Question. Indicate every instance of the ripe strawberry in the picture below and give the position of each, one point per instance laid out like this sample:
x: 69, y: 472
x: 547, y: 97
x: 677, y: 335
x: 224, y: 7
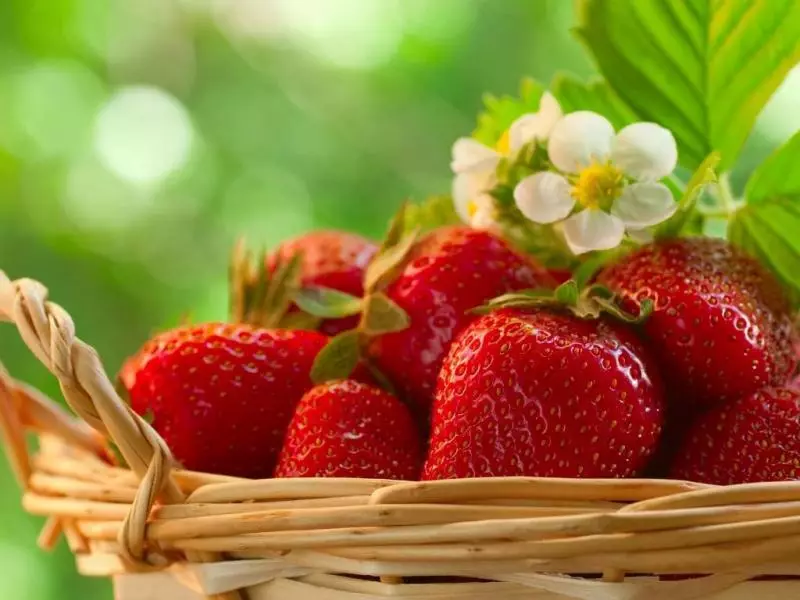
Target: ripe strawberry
x: 754, y: 438
x: 447, y: 273
x: 332, y: 259
x: 350, y: 429
x: 222, y: 395
x: 543, y: 393
x: 721, y: 325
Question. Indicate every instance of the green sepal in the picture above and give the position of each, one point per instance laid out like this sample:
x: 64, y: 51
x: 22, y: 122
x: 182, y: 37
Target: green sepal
x: 382, y: 315
x: 257, y: 296
x: 327, y: 303
x: 338, y: 359
x: 587, y: 303
x: 393, y: 251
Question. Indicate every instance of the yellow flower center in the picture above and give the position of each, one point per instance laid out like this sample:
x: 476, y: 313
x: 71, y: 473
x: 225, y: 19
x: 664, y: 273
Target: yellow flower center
x: 472, y: 208
x: 598, y: 185
x: 503, y: 145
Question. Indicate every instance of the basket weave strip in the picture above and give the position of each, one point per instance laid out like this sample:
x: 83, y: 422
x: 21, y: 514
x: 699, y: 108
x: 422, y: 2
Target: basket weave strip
x: 283, y: 538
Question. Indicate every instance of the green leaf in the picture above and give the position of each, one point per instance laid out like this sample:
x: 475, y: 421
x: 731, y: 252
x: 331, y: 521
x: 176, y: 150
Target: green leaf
x: 500, y: 112
x: 382, y: 315
x: 704, y: 175
x: 702, y: 68
x: 596, y: 95
x: 338, y: 358
x: 778, y: 175
x: 770, y: 231
x: 436, y: 211
x: 326, y: 302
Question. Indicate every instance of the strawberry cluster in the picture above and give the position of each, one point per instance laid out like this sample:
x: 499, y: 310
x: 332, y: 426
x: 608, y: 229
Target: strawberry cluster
x: 456, y: 354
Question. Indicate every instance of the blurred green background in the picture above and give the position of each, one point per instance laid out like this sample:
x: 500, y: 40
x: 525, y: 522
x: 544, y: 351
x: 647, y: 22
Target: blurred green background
x: 138, y: 138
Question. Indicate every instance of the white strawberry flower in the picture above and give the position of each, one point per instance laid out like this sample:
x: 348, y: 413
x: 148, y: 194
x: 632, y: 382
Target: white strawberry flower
x: 610, y: 183
x: 474, y: 163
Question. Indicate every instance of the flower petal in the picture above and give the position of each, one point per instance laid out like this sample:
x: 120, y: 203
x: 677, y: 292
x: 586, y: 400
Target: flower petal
x: 525, y: 129
x: 593, y: 229
x: 463, y: 193
x: 645, y: 151
x: 550, y: 112
x: 544, y: 197
x: 470, y: 154
x: 644, y: 205
x: 484, y: 215
x: 578, y: 139
x: 536, y: 125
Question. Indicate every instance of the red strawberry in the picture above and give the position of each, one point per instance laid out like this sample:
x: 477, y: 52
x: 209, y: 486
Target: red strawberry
x: 560, y: 275
x: 350, y: 429
x: 222, y: 395
x: 721, y: 325
x: 543, y: 393
x: 332, y: 259
x: 447, y: 273
x: 754, y: 438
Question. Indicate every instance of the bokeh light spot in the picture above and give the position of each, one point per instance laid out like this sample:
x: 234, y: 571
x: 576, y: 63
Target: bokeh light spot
x: 143, y: 134
x: 359, y: 34
x: 52, y: 104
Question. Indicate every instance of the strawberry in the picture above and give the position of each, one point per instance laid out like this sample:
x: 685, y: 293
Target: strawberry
x: 329, y: 259
x: 754, y: 438
x: 448, y: 272
x: 350, y: 429
x: 721, y: 326
x: 544, y: 393
x: 222, y: 395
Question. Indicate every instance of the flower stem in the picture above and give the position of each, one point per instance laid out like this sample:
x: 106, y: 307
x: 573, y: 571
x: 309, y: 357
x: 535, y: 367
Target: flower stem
x: 725, y: 195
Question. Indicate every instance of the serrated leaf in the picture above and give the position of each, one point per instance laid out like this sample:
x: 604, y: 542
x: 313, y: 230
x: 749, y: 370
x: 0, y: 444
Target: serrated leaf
x: 702, y: 68
x: 338, y: 358
x: 778, y: 175
x: 500, y: 112
x: 434, y: 212
x: 770, y: 231
x: 327, y: 302
x: 704, y: 175
x: 384, y: 266
x: 595, y: 95
x: 382, y: 315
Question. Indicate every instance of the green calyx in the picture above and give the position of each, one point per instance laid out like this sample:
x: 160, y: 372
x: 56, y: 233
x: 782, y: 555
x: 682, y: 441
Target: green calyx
x: 379, y: 314
x: 262, y: 298
x: 588, y: 303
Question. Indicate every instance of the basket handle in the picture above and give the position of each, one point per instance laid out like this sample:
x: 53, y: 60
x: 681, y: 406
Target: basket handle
x: 49, y: 333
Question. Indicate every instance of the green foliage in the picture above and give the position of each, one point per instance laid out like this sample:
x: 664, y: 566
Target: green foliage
x: 704, y: 175
x: 778, y: 175
x: 436, y: 211
x: 770, y: 231
x: 768, y: 226
x: 702, y: 68
x: 595, y: 95
x: 501, y: 112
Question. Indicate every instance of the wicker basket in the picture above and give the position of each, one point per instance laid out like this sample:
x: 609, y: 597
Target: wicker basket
x: 164, y: 533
